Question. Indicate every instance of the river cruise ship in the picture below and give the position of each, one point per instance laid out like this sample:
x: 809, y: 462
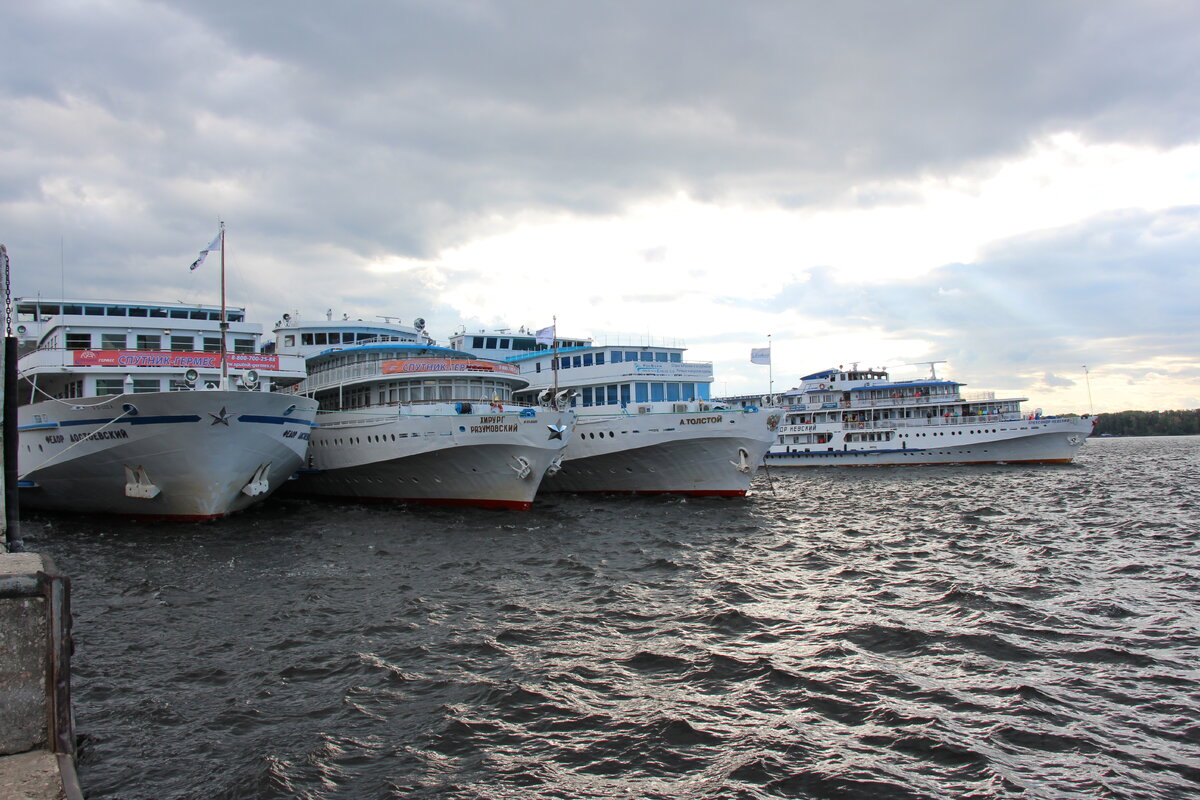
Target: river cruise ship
x: 645, y: 423
x: 402, y: 419
x: 862, y: 417
x: 152, y: 410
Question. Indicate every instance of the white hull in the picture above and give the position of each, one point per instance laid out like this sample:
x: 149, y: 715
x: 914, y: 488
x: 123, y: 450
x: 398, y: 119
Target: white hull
x: 1044, y: 441
x: 696, y: 453
x: 494, y: 460
x: 188, y: 455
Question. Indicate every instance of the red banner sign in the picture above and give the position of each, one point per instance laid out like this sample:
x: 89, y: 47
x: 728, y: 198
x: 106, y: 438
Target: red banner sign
x: 413, y: 365
x: 174, y: 360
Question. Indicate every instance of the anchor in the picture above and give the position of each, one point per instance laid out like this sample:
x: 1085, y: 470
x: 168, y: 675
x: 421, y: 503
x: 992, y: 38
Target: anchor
x: 259, y: 483
x: 522, y: 467
x: 138, y: 483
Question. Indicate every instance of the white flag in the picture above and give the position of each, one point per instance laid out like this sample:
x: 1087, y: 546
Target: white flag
x: 760, y: 355
x: 213, y: 245
x: 545, y: 336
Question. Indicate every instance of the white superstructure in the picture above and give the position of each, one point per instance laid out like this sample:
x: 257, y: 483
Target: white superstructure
x: 127, y: 408
x: 645, y: 422
x: 402, y: 419
x: 862, y: 417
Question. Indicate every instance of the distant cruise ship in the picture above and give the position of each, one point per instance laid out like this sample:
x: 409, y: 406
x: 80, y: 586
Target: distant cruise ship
x: 645, y: 421
x: 861, y: 417
x: 155, y: 410
x: 402, y: 419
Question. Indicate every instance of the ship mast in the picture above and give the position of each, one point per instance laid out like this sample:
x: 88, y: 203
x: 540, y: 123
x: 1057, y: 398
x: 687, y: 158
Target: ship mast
x: 224, y: 318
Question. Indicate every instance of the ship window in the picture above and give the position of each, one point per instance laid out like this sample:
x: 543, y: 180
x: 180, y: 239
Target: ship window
x: 677, y: 357
x: 576, y: 361
x: 112, y: 341
x: 106, y: 386
x: 631, y: 355
x: 611, y: 392
x: 288, y: 341
x: 672, y: 391
x: 158, y: 312
x: 335, y: 338
x: 115, y: 311
x: 306, y: 338
x: 491, y: 343
x: 656, y: 391
x: 178, y: 314
x: 660, y: 356
x: 688, y: 391
x: 537, y: 367
x: 243, y: 345
x: 641, y: 392
x: 198, y: 315
x: 149, y: 341
x: 145, y: 385
x: 94, y: 311
x: 212, y: 344
x: 72, y: 309
x: 320, y: 338
x: 183, y: 343
x: 624, y: 394
x: 616, y: 356
x: 587, y: 359
x: 138, y: 312
x: 79, y: 341
x: 504, y: 344
x: 587, y: 396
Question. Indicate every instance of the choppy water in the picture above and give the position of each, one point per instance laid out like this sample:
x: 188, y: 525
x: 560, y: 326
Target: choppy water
x: 986, y: 632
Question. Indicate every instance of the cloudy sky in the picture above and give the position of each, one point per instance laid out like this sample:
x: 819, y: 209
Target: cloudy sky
x: 1010, y: 187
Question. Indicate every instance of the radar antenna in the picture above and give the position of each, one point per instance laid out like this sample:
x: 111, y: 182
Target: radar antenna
x: 932, y: 369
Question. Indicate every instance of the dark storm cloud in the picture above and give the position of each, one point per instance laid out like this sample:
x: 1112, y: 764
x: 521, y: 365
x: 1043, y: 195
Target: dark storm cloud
x: 401, y: 128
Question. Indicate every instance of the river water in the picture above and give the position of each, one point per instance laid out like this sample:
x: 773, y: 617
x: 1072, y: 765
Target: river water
x: 941, y: 632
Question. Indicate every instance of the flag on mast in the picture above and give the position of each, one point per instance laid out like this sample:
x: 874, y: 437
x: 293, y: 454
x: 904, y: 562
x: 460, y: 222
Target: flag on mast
x: 545, y: 336
x: 760, y: 355
x: 215, y: 244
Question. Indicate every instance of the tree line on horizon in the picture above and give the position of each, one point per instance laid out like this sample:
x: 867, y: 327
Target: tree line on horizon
x: 1149, y: 423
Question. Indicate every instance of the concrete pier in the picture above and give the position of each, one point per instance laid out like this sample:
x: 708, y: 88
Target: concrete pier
x: 37, y: 740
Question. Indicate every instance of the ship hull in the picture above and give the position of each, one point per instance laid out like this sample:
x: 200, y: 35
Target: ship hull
x: 188, y: 456
x: 486, y: 461
x: 695, y: 453
x: 1053, y: 441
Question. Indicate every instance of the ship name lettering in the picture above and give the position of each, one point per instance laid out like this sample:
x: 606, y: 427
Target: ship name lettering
x: 493, y: 428
x: 490, y: 420
x: 109, y: 434
x: 698, y: 420
x: 54, y: 438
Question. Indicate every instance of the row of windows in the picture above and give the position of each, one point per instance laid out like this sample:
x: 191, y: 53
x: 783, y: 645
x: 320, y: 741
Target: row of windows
x: 143, y: 341
x: 641, y: 392
x: 341, y: 337
x: 645, y: 355
x: 516, y: 343
x: 34, y: 312
x: 616, y: 356
x: 426, y: 391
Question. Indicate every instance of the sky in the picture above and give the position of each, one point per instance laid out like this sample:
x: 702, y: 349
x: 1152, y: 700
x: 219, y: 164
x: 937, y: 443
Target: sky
x: 1011, y: 188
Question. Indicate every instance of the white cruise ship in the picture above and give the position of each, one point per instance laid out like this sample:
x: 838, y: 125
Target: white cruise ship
x: 404, y: 420
x: 645, y: 423
x: 862, y: 417
x: 152, y: 410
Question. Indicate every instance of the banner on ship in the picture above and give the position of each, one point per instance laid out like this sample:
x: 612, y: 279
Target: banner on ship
x: 411, y: 365
x: 176, y: 360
